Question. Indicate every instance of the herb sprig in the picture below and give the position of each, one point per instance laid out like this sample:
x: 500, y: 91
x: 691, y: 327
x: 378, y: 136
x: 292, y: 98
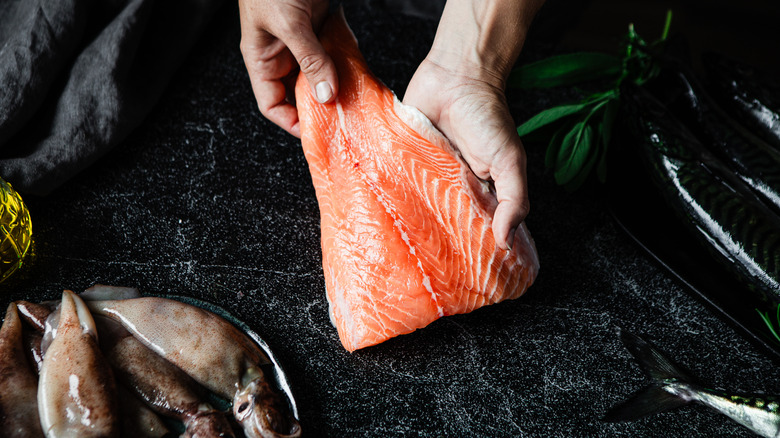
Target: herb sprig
x: 772, y: 325
x: 584, y: 128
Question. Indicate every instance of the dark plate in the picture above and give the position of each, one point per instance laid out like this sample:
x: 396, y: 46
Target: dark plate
x: 643, y: 214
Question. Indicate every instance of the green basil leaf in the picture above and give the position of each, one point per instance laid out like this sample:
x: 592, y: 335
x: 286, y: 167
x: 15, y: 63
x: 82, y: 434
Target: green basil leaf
x: 603, y: 96
x: 608, y: 119
x: 568, y: 144
x: 554, y: 114
x: 590, y: 160
x: 602, y: 134
x: 549, y: 116
x: 575, y: 149
x: 542, y: 135
x: 582, y: 175
x: 605, y: 134
x: 554, y: 147
x: 579, y: 149
x: 563, y: 70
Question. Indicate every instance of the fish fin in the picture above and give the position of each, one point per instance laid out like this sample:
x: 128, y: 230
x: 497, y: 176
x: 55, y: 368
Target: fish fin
x: 654, y: 398
x: 648, y: 401
x: 34, y: 314
x: 100, y: 292
x: 652, y: 361
x: 12, y: 326
x: 74, y: 310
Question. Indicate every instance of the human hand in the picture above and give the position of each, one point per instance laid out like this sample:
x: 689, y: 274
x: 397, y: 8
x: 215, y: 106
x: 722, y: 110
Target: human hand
x: 278, y: 39
x: 472, y: 113
x: 460, y: 87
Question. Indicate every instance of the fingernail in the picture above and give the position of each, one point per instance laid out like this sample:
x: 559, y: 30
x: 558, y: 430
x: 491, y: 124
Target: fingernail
x: 511, y: 238
x: 324, y: 92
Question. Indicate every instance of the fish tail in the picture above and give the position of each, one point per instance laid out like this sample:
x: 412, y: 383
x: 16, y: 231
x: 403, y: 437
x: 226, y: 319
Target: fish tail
x: 658, y: 396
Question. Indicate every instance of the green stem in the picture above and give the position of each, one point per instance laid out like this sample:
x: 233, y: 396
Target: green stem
x: 768, y: 322
x: 631, y: 39
x: 667, y: 25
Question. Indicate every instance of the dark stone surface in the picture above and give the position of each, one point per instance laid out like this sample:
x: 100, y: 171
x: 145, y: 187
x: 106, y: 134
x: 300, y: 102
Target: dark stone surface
x: 208, y: 199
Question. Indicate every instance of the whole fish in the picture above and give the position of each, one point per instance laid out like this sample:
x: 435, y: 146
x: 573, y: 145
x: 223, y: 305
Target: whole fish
x: 715, y: 206
x: 753, y: 98
x: 751, y: 159
x: 18, y: 382
x: 213, y: 352
x: 672, y: 387
x: 76, y: 390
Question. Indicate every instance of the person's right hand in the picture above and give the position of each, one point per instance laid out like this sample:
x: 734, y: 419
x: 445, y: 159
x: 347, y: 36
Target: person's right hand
x: 278, y: 39
x: 469, y: 108
x: 460, y: 88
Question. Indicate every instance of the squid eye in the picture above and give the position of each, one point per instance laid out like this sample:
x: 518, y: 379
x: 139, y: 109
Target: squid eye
x: 243, y: 407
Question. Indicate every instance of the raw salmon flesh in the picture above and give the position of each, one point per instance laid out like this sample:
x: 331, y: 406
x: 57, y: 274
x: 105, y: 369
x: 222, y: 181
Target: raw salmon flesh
x: 406, y: 226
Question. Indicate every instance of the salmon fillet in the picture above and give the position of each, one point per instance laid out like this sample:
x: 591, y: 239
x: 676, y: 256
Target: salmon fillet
x: 406, y: 226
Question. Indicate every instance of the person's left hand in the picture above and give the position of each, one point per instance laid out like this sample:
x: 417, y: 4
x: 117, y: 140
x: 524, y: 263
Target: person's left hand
x: 473, y: 114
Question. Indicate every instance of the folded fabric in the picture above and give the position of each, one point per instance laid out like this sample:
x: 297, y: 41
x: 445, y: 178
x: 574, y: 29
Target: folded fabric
x: 76, y: 76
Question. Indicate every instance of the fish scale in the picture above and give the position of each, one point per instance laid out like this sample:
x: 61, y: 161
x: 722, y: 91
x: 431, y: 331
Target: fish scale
x: 744, y: 228
x: 718, y: 209
x: 752, y: 160
x: 746, y: 94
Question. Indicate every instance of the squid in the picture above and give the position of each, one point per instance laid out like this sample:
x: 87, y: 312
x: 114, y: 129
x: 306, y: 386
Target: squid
x: 138, y: 421
x: 141, y: 375
x: 18, y: 381
x: 163, y: 386
x: 76, y: 391
x: 213, y: 352
x: 35, y: 315
x: 32, y: 344
x: 105, y: 292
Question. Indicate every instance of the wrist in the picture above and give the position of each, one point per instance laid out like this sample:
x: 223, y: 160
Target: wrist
x: 481, y: 39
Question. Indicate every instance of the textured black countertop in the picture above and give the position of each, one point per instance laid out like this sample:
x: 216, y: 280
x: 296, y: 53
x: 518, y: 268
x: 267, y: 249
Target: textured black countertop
x: 208, y: 199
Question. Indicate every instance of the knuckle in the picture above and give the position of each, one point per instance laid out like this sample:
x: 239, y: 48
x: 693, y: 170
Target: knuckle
x: 245, y: 47
x: 251, y: 50
x: 293, y: 25
x: 525, y: 208
x: 311, y: 63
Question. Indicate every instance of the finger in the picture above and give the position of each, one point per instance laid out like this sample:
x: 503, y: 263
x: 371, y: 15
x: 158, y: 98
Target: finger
x: 264, y: 54
x: 268, y: 66
x: 272, y: 62
x: 509, y: 177
x: 314, y: 62
x: 272, y: 101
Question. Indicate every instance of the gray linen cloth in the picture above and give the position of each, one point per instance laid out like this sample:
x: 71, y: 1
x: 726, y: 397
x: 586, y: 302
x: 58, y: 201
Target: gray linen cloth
x: 76, y: 76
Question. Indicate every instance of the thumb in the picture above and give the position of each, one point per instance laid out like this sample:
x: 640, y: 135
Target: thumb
x: 315, y: 64
x: 509, y: 177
